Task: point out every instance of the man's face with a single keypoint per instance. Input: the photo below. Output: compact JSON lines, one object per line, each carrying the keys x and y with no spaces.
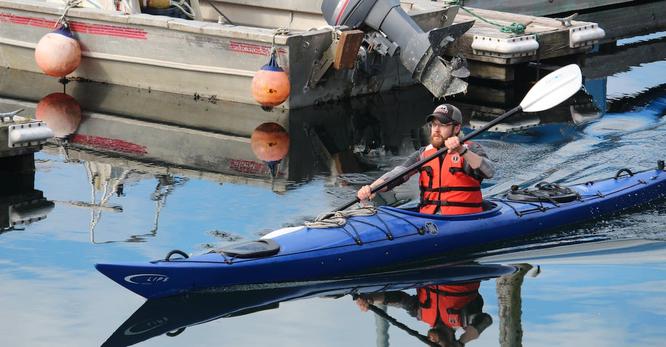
{"x":440,"y":132}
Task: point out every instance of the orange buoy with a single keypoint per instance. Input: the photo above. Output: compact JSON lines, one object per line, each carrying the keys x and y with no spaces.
{"x":270,"y":85}
{"x":60,"y":112}
{"x":270,"y":143}
{"x":58,"y":53}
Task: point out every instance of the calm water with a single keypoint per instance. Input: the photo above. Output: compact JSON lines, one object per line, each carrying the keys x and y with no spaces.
{"x":127,"y":190}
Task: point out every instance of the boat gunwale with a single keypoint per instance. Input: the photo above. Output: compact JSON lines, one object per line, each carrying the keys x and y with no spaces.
{"x":211,"y":28}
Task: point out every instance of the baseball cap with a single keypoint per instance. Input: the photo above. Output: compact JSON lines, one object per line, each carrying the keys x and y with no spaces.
{"x":446,"y":113}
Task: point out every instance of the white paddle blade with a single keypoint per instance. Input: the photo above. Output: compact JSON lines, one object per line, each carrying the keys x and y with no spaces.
{"x":554,"y":88}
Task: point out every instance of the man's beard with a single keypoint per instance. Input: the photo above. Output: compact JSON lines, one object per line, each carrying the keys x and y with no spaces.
{"x":437,"y":141}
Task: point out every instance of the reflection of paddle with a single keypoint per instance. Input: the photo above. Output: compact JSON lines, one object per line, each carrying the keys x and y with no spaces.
{"x":378,"y":311}
{"x":83,"y":204}
{"x":550,"y":91}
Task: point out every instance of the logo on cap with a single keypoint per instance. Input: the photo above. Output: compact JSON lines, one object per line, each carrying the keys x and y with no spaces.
{"x":442,"y":108}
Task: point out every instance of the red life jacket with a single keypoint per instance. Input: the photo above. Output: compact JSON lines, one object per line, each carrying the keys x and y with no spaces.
{"x":446,"y":302}
{"x":446,"y":188}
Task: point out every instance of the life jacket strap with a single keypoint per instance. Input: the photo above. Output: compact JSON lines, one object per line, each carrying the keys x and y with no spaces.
{"x":445,"y":293}
{"x":450,"y":203}
{"x":451,"y":189}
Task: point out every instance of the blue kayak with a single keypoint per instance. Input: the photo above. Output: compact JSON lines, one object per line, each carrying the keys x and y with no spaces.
{"x":387,"y":238}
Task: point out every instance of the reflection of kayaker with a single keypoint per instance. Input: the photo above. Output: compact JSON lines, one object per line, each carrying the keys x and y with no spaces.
{"x":445,"y":308}
{"x":174,"y":314}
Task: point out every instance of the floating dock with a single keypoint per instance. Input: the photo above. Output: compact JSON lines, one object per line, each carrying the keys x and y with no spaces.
{"x":493,"y":53}
{"x":20,"y":136}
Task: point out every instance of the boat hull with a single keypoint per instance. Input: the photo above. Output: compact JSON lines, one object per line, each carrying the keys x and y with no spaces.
{"x":202,"y":59}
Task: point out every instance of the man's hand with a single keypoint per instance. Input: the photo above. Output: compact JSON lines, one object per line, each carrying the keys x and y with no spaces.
{"x":453,"y":144}
{"x":364,"y":193}
{"x":363,"y":303}
{"x":365,"y":300}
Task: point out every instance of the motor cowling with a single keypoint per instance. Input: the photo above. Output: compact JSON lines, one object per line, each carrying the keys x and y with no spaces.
{"x":419,"y":51}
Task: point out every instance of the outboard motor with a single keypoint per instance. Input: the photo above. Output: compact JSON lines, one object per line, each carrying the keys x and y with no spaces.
{"x":419,"y":51}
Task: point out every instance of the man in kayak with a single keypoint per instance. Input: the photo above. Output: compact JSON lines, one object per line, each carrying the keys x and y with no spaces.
{"x":446,"y":308}
{"x":450,"y":184}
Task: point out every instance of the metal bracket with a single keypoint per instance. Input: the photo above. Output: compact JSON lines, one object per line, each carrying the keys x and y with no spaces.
{"x":379,"y":43}
{"x":321,"y":65}
{"x":566,"y":21}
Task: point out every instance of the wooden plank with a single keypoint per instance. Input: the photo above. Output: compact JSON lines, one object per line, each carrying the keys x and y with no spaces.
{"x":491,"y":71}
{"x":347,"y":49}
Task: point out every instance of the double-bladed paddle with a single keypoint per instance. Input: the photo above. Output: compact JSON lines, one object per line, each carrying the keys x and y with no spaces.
{"x":550,"y":91}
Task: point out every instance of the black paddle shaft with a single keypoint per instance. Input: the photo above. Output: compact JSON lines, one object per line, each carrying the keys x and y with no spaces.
{"x":378,"y":311}
{"x":439,"y":153}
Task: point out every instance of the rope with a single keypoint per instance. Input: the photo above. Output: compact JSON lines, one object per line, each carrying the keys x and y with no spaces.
{"x":184,"y":7}
{"x":63,"y":19}
{"x":278,"y":31}
{"x":339,"y":218}
{"x":513,"y":28}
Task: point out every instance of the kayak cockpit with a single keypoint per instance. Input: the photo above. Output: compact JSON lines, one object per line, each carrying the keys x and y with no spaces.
{"x":490,"y":208}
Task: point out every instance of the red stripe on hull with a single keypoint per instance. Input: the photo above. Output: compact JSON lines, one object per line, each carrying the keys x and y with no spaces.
{"x":109,"y":144}
{"x":251,"y":48}
{"x":248,"y":167}
{"x":79,"y":27}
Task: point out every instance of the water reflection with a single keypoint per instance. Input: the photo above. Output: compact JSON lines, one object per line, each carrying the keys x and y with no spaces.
{"x":20,"y":203}
{"x":60,"y":112}
{"x":110,"y":181}
{"x":444,"y":307}
{"x":173,"y":314}
{"x":270,"y":143}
